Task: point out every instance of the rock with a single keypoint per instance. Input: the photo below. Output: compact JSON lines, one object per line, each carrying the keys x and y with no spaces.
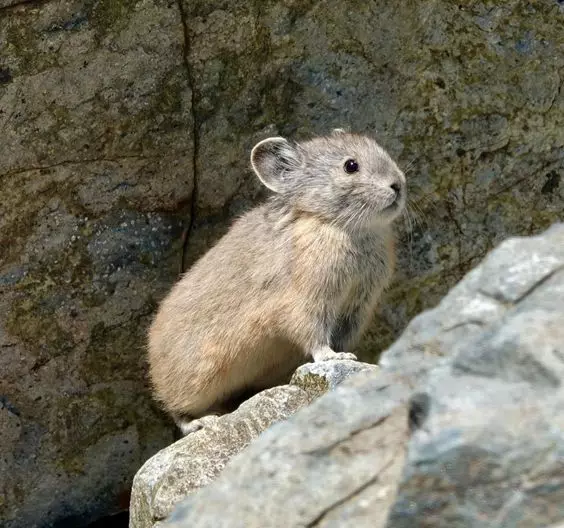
{"x":318,"y":378}
{"x":195,"y":460}
{"x":125,"y":122}
{"x":334,"y":463}
{"x":473,"y":391}
{"x":96,"y":171}
{"x":486,"y":295}
{"x":488,"y":449}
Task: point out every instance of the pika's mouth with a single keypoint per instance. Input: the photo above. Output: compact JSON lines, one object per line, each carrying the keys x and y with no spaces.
{"x":395,"y":204}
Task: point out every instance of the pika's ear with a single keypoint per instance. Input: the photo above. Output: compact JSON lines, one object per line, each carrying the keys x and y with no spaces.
{"x":272,"y":160}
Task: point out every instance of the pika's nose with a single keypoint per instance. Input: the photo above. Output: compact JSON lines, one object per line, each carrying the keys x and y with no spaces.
{"x":396,"y":187}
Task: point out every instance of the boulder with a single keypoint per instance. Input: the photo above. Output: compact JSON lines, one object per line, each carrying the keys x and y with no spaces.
{"x":334,"y":463}
{"x":488,"y":449}
{"x":198,"y":458}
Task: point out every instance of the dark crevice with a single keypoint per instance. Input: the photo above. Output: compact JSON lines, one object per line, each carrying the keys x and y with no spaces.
{"x":526,"y":293}
{"x":75,"y":162}
{"x":118,"y":520}
{"x":23,"y":3}
{"x":556,"y":95}
{"x":473,"y":322}
{"x":452,"y":216}
{"x":350,"y":436}
{"x":350,"y":495}
{"x":187,"y":234}
{"x":419,"y":406}
{"x":491,"y":296}
{"x":514,"y":184}
{"x":538,"y":284}
{"x":552,"y":182}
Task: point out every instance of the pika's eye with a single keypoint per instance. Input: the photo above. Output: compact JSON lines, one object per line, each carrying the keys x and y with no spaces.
{"x":351,"y":166}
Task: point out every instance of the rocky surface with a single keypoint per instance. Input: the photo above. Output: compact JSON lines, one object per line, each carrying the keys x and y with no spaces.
{"x":473,"y":391}
{"x":96,"y":172}
{"x":126,"y":121}
{"x":489,"y":450}
{"x":197,"y":459}
{"x":318,"y":378}
{"x":334,"y":463}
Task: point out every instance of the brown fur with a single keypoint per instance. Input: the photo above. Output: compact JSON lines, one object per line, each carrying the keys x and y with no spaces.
{"x":294,"y":277}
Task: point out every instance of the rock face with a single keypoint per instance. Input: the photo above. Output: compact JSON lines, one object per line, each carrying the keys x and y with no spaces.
{"x":197,"y":459}
{"x":96,"y":171}
{"x":125,"y":121}
{"x":334,"y":463}
{"x":490,"y":447}
{"x":478,"y":381}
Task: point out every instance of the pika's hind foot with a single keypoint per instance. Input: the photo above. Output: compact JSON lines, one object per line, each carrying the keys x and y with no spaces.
{"x":192,"y":426}
{"x":326,"y":353}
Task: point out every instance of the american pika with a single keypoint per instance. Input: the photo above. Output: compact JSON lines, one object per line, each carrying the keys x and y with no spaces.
{"x":296,"y":277}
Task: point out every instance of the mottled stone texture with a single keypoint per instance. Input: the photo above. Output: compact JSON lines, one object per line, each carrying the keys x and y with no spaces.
{"x":96,"y":179}
{"x":318,"y":378}
{"x":334,"y":463}
{"x":197,"y":459}
{"x":113,"y":111}
{"x":488,"y":449}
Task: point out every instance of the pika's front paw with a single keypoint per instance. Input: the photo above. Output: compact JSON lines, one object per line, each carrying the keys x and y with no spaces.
{"x":325,"y":354}
{"x":342,"y":355}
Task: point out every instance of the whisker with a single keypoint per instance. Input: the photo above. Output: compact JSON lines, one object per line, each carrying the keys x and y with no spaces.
{"x":357,"y":216}
{"x":409,"y":166}
{"x":417,"y":214}
{"x":409,"y":230}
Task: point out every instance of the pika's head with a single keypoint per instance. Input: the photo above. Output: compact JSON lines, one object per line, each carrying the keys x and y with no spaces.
{"x":345,"y":178}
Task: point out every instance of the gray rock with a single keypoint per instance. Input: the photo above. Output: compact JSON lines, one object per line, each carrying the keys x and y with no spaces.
{"x":502,"y":284}
{"x":490,"y":442}
{"x":334,"y":463}
{"x":197,"y":459}
{"x":96,"y":171}
{"x":317,"y":378}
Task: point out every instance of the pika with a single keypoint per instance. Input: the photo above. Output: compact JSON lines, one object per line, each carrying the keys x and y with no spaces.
{"x":297,"y":277}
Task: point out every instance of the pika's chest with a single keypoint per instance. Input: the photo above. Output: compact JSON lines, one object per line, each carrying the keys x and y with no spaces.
{"x":342,"y":262}
{"x":370,"y":268}
{"x":370,"y":257}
